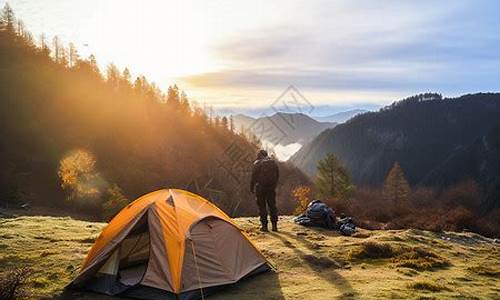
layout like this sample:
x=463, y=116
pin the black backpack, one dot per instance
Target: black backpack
x=267, y=175
x=320, y=214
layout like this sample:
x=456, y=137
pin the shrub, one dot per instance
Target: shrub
x=114, y=203
x=465, y=193
x=13, y=285
x=427, y=210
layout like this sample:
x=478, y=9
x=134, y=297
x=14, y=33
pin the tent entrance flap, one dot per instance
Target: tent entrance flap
x=128, y=263
x=134, y=256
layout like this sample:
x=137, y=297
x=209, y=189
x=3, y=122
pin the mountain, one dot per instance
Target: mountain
x=282, y=128
x=342, y=116
x=435, y=140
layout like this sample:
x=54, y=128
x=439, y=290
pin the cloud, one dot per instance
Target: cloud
x=449, y=47
x=376, y=78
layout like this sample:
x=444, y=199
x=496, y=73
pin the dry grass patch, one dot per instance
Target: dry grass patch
x=484, y=271
x=426, y=285
x=416, y=258
x=374, y=250
x=419, y=259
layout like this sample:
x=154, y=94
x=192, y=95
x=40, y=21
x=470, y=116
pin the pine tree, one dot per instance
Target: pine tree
x=138, y=85
x=93, y=64
x=125, y=79
x=126, y=75
x=173, y=100
x=72, y=55
x=231, y=123
x=184, y=103
x=224, y=122
x=63, y=60
x=113, y=75
x=44, y=47
x=7, y=19
x=20, y=28
x=396, y=187
x=333, y=181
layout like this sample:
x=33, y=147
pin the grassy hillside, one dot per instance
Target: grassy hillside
x=311, y=263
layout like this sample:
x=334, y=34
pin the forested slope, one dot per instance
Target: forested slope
x=121, y=137
x=422, y=133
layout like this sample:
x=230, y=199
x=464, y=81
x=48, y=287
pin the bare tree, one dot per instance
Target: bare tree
x=72, y=55
x=56, y=44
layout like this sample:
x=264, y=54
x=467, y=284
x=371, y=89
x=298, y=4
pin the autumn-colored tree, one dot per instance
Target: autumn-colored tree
x=396, y=187
x=302, y=194
x=78, y=175
x=333, y=180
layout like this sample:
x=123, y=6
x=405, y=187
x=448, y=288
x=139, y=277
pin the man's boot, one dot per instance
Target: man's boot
x=263, y=228
x=275, y=226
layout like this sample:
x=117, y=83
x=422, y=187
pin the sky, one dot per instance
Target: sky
x=241, y=55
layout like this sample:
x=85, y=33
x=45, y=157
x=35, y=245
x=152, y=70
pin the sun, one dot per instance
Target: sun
x=160, y=39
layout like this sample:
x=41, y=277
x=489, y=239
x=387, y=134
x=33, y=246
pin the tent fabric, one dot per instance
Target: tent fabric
x=169, y=242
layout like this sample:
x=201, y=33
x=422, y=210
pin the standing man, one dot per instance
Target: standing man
x=265, y=176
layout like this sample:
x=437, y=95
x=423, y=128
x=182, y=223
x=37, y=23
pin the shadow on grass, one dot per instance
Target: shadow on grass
x=323, y=267
x=68, y=294
x=260, y=286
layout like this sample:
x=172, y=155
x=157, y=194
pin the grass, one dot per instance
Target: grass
x=312, y=263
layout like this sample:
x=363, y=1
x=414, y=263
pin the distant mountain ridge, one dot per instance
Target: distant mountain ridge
x=342, y=116
x=282, y=128
x=431, y=137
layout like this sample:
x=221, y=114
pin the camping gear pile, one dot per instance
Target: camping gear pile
x=169, y=244
x=320, y=215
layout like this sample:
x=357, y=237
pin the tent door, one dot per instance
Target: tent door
x=134, y=255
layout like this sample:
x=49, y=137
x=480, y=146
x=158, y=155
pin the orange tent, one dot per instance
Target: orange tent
x=169, y=244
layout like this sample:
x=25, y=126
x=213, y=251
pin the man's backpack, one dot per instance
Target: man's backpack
x=268, y=173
